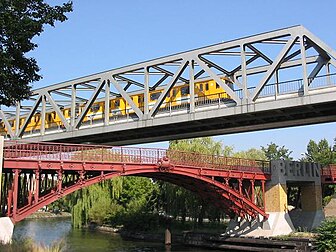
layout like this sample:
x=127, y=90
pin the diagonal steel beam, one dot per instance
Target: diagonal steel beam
x=249, y=61
x=57, y=110
x=89, y=103
x=211, y=64
x=199, y=73
x=262, y=55
x=274, y=66
x=93, y=87
x=68, y=95
x=169, y=73
x=225, y=87
x=296, y=53
x=7, y=125
x=318, y=44
x=159, y=82
x=169, y=86
x=29, y=116
x=316, y=70
x=126, y=97
x=127, y=86
x=130, y=81
x=283, y=65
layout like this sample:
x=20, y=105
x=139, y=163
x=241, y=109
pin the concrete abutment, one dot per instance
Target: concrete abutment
x=281, y=221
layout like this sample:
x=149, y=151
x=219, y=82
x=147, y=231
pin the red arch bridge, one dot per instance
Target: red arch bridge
x=36, y=174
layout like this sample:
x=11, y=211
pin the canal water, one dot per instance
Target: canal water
x=47, y=231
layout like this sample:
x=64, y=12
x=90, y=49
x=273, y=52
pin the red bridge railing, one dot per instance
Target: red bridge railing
x=85, y=153
x=328, y=174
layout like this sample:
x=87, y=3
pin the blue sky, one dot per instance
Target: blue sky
x=102, y=35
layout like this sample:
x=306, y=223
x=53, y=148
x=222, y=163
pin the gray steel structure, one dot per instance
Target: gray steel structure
x=278, y=79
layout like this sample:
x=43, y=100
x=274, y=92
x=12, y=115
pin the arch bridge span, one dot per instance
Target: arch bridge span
x=37, y=174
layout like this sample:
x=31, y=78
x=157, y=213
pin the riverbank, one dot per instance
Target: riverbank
x=42, y=215
x=293, y=242
x=219, y=242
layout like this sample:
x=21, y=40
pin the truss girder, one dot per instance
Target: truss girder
x=285, y=49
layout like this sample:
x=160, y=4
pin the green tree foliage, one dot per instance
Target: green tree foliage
x=20, y=22
x=181, y=203
x=321, y=152
x=205, y=145
x=122, y=200
x=326, y=240
x=275, y=152
x=324, y=154
x=252, y=153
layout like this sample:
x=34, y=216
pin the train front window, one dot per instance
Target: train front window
x=207, y=86
x=201, y=87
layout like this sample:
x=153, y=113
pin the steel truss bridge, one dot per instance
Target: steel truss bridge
x=36, y=174
x=279, y=78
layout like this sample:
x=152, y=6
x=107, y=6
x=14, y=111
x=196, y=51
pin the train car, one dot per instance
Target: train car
x=206, y=93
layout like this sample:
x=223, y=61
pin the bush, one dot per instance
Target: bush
x=326, y=239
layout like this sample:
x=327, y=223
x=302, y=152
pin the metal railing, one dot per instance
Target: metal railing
x=292, y=86
x=43, y=151
x=329, y=171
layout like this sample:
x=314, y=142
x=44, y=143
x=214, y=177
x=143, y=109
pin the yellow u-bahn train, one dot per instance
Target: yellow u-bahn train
x=206, y=92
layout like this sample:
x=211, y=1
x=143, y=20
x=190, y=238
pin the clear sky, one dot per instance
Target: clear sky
x=105, y=34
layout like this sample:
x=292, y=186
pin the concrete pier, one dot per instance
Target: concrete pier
x=281, y=221
x=6, y=225
x=6, y=230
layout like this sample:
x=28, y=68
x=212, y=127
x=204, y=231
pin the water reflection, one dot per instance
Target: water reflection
x=47, y=231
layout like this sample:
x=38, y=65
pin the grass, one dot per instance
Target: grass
x=28, y=245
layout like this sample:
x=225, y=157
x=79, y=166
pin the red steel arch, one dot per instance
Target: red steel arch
x=36, y=174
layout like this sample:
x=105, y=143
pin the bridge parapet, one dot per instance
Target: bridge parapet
x=328, y=174
x=18, y=149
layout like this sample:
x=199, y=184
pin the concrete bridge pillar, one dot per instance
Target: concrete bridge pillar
x=6, y=225
x=281, y=221
x=311, y=214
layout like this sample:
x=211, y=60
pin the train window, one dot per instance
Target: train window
x=155, y=96
x=184, y=91
x=174, y=92
x=95, y=107
x=117, y=103
x=140, y=98
x=217, y=85
x=69, y=112
x=49, y=117
x=207, y=86
x=201, y=87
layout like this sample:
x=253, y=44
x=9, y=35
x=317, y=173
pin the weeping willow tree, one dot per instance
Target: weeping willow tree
x=96, y=203
x=181, y=203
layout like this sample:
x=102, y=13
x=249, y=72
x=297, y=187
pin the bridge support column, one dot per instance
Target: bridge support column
x=6, y=225
x=311, y=214
x=6, y=230
x=279, y=221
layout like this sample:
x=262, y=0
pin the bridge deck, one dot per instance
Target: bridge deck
x=72, y=156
